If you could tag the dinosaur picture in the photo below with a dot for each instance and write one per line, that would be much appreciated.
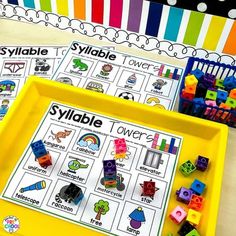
(78, 64)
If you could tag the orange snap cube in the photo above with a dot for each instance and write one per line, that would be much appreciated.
(190, 89)
(45, 160)
(196, 202)
(232, 93)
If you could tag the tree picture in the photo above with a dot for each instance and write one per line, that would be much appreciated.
(101, 208)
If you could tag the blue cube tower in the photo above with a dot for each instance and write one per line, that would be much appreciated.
(41, 154)
(38, 149)
(110, 173)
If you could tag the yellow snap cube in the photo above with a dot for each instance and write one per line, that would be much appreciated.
(120, 155)
(194, 217)
(190, 80)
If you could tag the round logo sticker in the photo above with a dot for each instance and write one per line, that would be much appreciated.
(11, 224)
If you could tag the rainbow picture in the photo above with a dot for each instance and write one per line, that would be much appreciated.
(89, 140)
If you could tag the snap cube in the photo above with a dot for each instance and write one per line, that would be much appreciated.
(197, 73)
(110, 173)
(210, 110)
(222, 95)
(219, 83)
(202, 163)
(230, 82)
(201, 90)
(231, 102)
(190, 80)
(198, 105)
(224, 106)
(109, 165)
(110, 183)
(222, 114)
(193, 217)
(149, 188)
(190, 89)
(209, 80)
(232, 93)
(178, 215)
(38, 148)
(120, 155)
(194, 232)
(197, 187)
(45, 161)
(120, 145)
(188, 96)
(196, 202)
(211, 95)
(187, 168)
(184, 195)
(73, 193)
(185, 228)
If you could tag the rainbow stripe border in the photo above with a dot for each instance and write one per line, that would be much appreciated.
(154, 21)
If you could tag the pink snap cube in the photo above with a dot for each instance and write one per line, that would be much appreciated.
(178, 215)
(120, 145)
(120, 141)
(210, 110)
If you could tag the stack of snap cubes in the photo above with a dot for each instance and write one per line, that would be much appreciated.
(208, 90)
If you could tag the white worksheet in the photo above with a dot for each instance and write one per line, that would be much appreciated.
(78, 142)
(112, 72)
(18, 62)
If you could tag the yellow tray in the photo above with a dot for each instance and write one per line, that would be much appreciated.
(200, 137)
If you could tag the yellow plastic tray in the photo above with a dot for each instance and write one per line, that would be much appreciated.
(200, 137)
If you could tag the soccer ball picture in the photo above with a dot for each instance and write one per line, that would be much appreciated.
(127, 96)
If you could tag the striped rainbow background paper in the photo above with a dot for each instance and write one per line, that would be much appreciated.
(213, 33)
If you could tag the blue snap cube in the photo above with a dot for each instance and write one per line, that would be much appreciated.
(197, 73)
(38, 149)
(230, 82)
(222, 95)
(198, 187)
(198, 105)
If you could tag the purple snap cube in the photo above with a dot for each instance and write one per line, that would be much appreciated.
(202, 163)
(212, 89)
(184, 195)
(109, 165)
(208, 80)
(210, 77)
